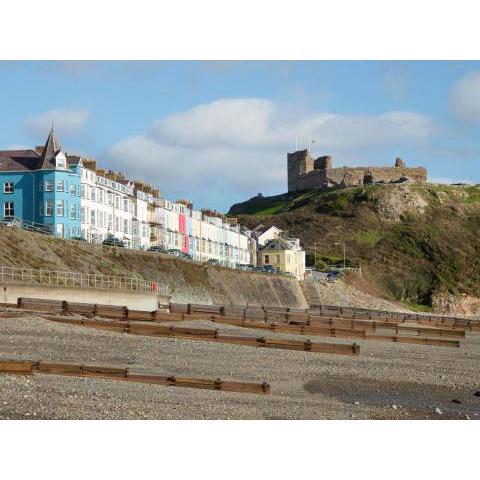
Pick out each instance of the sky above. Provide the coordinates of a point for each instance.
(218, 133)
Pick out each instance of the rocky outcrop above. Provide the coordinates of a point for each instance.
(396, 200)
(461, 304)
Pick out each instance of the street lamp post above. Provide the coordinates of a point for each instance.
(344, 261)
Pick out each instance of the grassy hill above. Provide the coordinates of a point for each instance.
(412, 240)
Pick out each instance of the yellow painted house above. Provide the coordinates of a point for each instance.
(285, 254)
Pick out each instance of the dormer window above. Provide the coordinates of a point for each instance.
(61, 161)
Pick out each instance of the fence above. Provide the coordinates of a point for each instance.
(315, 321)
(132, 323)
(29, 367)
(79, 280)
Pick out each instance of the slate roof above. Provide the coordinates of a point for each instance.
(28, 159)
(15, 160)
(52, 147)
(280, 244)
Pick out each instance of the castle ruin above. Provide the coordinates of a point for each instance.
(306, 172)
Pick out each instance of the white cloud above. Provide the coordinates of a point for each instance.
(67, 122)
(465, 98)
(239, 146)
(226, 121)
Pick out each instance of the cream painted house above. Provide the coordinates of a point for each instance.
(285, 254)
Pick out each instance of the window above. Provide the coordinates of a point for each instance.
(117, 224)
(125, 226)
(83, 191)
(82, 214)
(59, 208)
(60, 186)
(92, 193)
(110, 223)
(8, 187)
(100, 195)
(100, 218)
(92, 216)
(73, 211)
(125, 204)
(49, 186)
(110, 198)
(49, 208)
(117, 201)
(73, 190)
(277, 258)
(266, 259)
(40, 186)
(8, 209)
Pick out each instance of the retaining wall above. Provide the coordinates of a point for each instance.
(9, 293)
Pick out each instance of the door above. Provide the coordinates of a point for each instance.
(59, 230)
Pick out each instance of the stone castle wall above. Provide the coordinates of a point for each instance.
(305, 172)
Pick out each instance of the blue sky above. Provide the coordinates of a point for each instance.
(218, 132)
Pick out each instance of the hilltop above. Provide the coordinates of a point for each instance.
(416, 242)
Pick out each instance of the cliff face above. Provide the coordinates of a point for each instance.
(460, 304)
(412, 240)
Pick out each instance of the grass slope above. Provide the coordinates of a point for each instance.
(435, 250)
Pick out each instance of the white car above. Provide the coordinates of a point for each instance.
(11, 222)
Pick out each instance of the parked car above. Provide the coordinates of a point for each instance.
(10, 222)
(114, 242)
(270, 269)
(213, 261)
(79, 239)
(175, 252)
(246, 268)
(333, 275)
(157, 248)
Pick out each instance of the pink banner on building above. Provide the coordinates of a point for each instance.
(182, 229)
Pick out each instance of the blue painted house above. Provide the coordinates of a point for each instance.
(42, 186)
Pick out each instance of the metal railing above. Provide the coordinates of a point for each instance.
(79, 280)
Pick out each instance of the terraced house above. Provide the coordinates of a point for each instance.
(107, 204)
(41, 186)
(73, 197)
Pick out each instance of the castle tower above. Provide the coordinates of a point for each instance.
(399, 163)
(324, 163)
(298, 163)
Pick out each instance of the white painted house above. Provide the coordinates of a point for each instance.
(106, 205)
